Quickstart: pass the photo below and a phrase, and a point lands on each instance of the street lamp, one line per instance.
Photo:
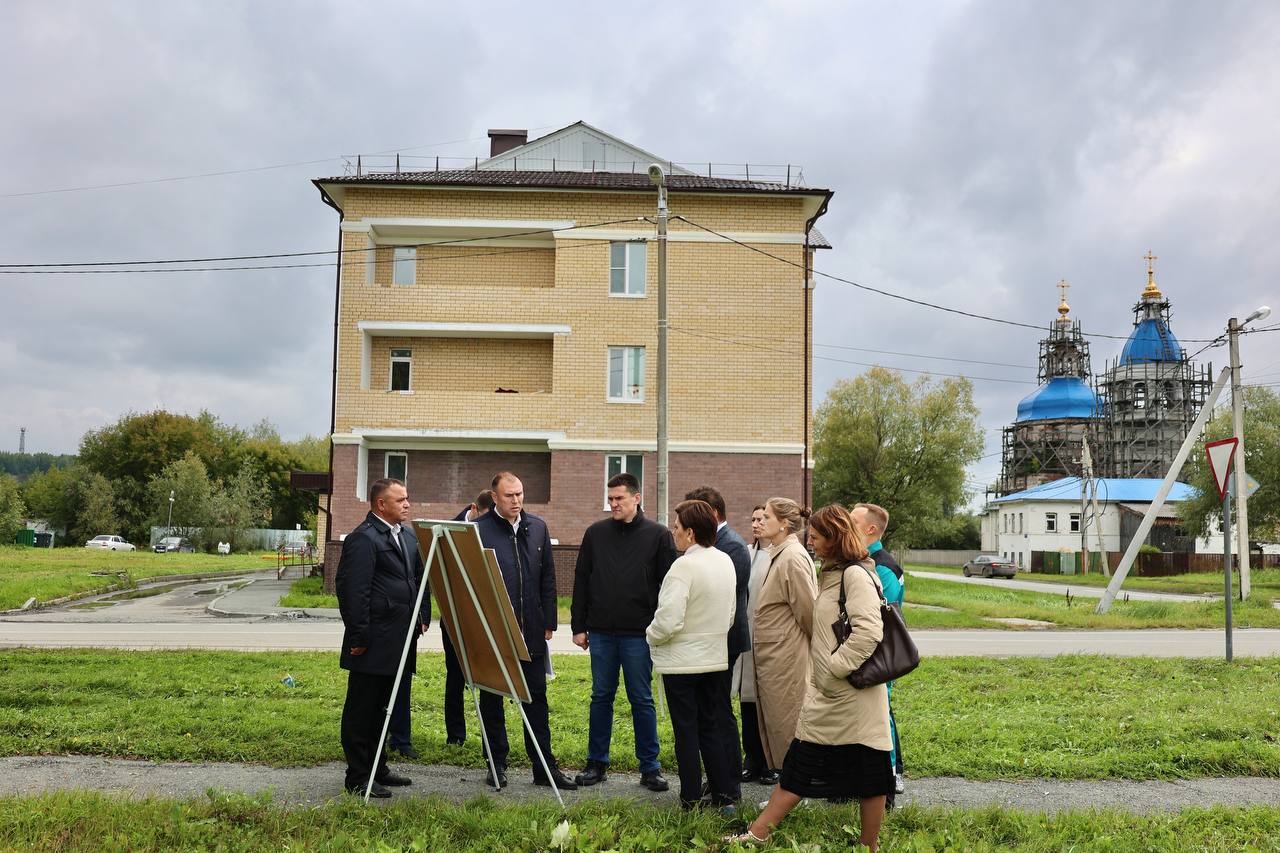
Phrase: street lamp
(1237, 425)
(659, 179)
(168, 527)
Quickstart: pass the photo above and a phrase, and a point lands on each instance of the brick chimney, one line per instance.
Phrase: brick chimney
(501, 141)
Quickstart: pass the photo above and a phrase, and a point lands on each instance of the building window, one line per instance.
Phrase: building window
(622, 463)
(406, 265)
(1075, 522)
(626, 374)
(1050, 522)
(1019, 522)
(401, 369)
(1139, 395)
(626, 269)
(1005, 518)
(396, 467)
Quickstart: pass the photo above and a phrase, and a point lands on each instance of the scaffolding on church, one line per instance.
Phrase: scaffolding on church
(1149, 397)
(1046, 442)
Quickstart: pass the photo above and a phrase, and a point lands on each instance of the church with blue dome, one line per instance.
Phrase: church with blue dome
(1126, 422)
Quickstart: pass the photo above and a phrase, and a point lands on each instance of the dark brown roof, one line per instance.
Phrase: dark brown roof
(567, 180)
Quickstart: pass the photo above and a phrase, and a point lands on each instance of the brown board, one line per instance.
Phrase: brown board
(461, 557)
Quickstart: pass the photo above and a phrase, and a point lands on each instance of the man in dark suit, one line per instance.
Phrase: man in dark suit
(523, 547)
(377, 584)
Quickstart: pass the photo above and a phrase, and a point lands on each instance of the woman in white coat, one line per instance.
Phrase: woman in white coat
(689, 644)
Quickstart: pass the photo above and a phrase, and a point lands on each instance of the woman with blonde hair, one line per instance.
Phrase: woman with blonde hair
(783, 621)
(842, 742)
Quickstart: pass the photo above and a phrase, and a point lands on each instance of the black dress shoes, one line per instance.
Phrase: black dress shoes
(407, 751)
(393, 780)
(563, 782)
(769, 777)
(378, 792)
(750, 774)
(455, 741)
(500, 782)
(654, 781)
(594, 773)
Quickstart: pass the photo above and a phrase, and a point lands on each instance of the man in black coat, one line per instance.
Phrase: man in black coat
(522, 544)
(377, 584)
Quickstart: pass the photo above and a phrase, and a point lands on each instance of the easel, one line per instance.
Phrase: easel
(434, 557)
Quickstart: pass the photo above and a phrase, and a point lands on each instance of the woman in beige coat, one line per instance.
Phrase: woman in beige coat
(842, 742)
(782, 623)
(754, 767)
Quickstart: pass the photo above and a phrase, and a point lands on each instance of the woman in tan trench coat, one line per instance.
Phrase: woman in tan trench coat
(781, 628)
(842, 741)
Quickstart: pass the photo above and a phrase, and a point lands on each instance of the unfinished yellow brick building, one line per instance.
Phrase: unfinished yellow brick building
(504, 316)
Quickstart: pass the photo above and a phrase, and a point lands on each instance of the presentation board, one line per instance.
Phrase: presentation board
(466, 582)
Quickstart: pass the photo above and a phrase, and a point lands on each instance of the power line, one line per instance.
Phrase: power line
(728, 340)
(63, 267)
(892, 295)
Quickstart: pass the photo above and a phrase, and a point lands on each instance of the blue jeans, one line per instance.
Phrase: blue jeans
(608, 653)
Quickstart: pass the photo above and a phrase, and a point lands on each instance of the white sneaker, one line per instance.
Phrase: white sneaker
(899, 784)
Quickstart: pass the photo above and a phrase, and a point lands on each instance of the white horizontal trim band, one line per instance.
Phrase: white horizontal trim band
(789, 238)
(677, 446)
(398, 328)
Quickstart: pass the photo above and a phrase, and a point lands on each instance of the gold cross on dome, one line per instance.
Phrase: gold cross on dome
(1151, 289)
(1063, 307)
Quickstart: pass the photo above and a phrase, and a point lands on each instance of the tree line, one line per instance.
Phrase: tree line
(223, 479)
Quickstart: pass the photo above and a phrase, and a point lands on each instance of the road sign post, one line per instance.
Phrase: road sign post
(1221, 454)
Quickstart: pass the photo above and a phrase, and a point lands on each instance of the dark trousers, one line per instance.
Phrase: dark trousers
(455, 723)
(399, 734)
(752, 748)
(897, 744)
(495, 723)
(703, 727)
(362, 716)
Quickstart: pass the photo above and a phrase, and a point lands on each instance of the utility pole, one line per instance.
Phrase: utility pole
(1084, 527)
(659, 178)
(1237, 427)
(1087, 458)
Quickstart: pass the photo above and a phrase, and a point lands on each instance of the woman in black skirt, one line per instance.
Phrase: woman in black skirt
(842, 743)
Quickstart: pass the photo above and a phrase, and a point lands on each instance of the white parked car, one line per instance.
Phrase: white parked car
(109, 543)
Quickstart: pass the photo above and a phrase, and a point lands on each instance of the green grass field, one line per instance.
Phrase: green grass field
(1265, 582)
(49, 573)
(1066, 717)
(309, 592)
(89, 821)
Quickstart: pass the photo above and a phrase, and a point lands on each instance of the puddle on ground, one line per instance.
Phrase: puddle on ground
(91, 605)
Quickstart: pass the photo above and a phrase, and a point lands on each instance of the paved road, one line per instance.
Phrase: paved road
(1078, 591)
(313, 785)
(187, 618)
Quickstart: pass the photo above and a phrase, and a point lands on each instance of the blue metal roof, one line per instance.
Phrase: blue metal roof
(1061, 397)
(1151, 341)
(1125, 490)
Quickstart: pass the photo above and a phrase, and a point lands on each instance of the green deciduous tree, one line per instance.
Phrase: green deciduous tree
(94, 501)
(241, 501)
(1262, 462)
(12, 508)
(880, 439)
(187, 479)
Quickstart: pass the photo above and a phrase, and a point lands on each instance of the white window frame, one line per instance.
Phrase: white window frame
(631, 249)
(1050, 522)
(1074, 522)
(391, 369)
(386, 465)
(626, 396)
(404, 258)
(622, 469)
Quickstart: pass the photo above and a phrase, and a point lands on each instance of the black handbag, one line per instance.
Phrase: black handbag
(895, 656)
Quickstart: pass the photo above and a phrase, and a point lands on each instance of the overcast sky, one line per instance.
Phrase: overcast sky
(979, 152)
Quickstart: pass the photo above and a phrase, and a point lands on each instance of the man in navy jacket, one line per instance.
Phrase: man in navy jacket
(377, 584)
(522, 544)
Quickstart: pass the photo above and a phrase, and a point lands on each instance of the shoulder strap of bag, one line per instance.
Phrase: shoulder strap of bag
(875, 582)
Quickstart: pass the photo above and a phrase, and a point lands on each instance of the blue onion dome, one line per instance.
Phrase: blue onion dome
(1151, 341)
(1061, 397)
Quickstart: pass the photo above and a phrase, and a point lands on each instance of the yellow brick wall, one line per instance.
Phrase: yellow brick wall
(720, 392)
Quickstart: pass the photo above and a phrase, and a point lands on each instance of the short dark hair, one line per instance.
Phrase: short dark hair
(710, 496)
(377, 487)
(484, 501)
(835, 525)
(500, 476)
(698, 516)
(628, 480)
